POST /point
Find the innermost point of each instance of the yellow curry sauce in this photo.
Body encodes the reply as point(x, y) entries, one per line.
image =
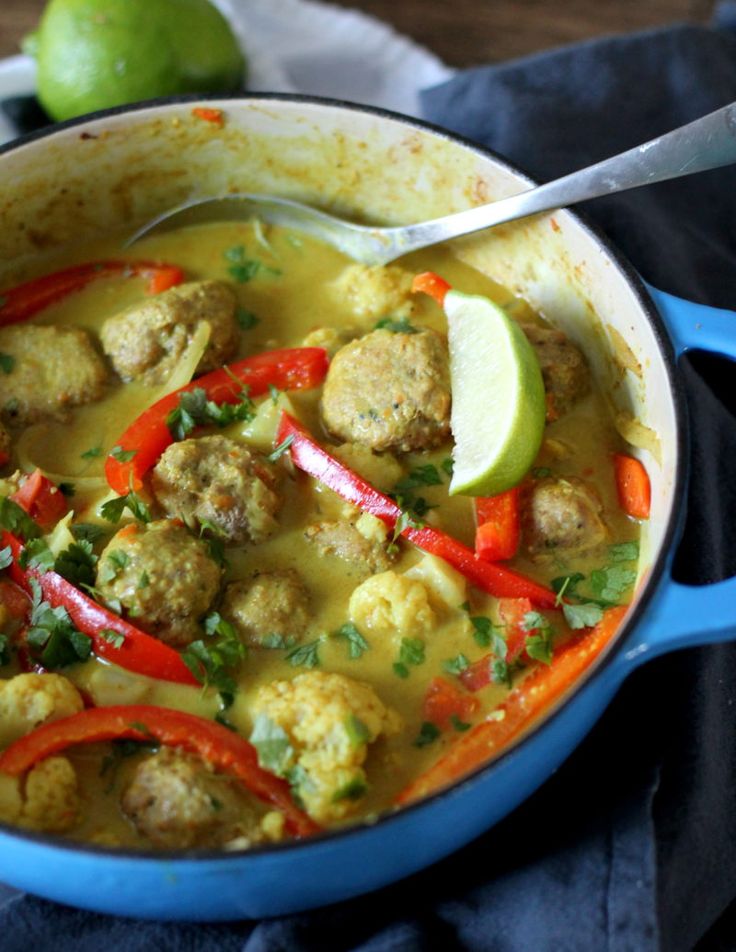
point(296, 295)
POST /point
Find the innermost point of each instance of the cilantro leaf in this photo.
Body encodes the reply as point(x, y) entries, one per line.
point(114, 638)
point(428, 733)
point(565, 585)
point(305, 656)
point(37, 555)
point(448, 465)
point(458, 724)
point(246, 319)
point(400, 670)
point(426, 475)
point(624, 551)
point(582, 616)
point(52, 639)
point(412, 651)
point(396, 325)
point(7, 362)
point(77, 563)
point(280, 449)
point(213, 660)
point(6, 557)
point(353, 790)
point(456, 665)
point(113, 509)
point(609, 584)
point(273, 745)
point(4, 650)
point(357, 645)
point(17, 520)
point(87, 531)
point(92, 453)
point(121, 455)
point(357, 731)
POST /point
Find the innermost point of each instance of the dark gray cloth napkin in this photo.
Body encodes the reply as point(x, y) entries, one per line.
point(630, 845)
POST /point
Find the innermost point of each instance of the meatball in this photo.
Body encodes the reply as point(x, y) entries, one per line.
point(563, 514)
point(176, 801)
point(390, 604)
point(163, 576)
point(271, 603)
point(53, 370)
point(564, 368)
point(327, 722)
point(148, 339)
point(51, 801)
point(216, 482)
point(356, 542)
point(389, 391)
point(373, 292)
point(29, 700)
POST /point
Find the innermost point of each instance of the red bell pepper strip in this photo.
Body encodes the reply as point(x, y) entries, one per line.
point(497, 580)
point(527, 702)
point(511, 611)
point(443, 702)
point(23, 301)
point(432, 284)
point(298, 368)
point(223, 749)
point(139, 652)
point(633, 486)
point(41, 499)
point(499, 526)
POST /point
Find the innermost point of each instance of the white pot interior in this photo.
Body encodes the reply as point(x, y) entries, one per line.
point(122, 169)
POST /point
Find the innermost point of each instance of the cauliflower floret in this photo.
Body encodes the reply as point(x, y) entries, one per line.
point(390, 604)
point(51, 801)
point(373, 292)
point(316, 730)
point(29, 700)
point(446, 586)
point(372, 528)
point(381, 469)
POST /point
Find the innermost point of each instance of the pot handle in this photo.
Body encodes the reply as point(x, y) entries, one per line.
point(684, 615)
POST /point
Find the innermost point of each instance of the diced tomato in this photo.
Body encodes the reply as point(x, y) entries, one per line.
point(499, 525)
point(41, 499)
point(443, 702)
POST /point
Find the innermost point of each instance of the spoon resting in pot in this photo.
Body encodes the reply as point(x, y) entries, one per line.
point(706, 143)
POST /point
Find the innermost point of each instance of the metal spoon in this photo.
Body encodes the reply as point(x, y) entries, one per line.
point(707, 143)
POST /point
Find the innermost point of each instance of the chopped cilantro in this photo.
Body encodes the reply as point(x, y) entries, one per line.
point(484, 631)
point(565, 585)
point(92, 453)
point(538, 643)
point(456, 665)
point(458, 724)
point(405, 521)
point(624, 551)
point(400, 670)
point(305, 656)
point(6, 557)
point(396, 325)
point(272, 743)
point(280, 449)
point(4, 650)
point(52, 638)
point(448, 465)
point(121, 455)
point(37, 555)
point(194, 409)
point(609, 584)
point(275, 393)
point(67, 489)
point(77, 563)
point(412, 651)
point(357, 644)
point(426, 475)
point(213, 660)
point(113, 509)
point(143, 581)
point(246, 319)
point(541, 472)
point(357, 732)
point(114, 638)
point(87, 531)
point(17, 520)
point(274, 640)
point(582, 616)
point(353, 790)
point(501, 672)
point(115, 562)
point(222, 719)
point(428, 733)
point(7, 362)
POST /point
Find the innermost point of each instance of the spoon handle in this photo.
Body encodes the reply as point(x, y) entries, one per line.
point(706, 143)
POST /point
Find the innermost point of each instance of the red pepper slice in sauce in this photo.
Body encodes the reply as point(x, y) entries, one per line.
point(220, 747)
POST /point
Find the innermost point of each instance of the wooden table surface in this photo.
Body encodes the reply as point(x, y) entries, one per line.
point(466, 32)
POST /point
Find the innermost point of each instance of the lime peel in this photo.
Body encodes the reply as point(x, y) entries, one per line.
point(498, 400)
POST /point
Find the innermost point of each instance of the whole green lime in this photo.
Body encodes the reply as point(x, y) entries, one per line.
point(93, 54)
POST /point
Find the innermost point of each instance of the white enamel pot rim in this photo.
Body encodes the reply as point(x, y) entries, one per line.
point(649, 314)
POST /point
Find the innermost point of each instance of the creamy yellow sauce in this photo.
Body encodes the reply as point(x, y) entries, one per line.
point(291, 296)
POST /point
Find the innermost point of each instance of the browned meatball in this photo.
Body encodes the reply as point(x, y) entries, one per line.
point(176, 802)
point(563, 514)
point(564, 368)
point(389, 391)
point(271, 603)
point(163, 576)
point(53, 369)
point(216, 482)
point(148, 339)
point(344, 540)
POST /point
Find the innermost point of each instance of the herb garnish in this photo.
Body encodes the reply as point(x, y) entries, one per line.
point(426, 475)
point(6, 557)
point(114, 638)
point(456, 665)
point(113, 509)
point(194, 409)
point(87, 531)
point(272, 743)
point(17, 520)
point(538, 643)
point(92, 453)
point(214, 659)
point(396, 325)
point(7, 362)
point(52, 638)
point(77, 563)
point(357, 731)
point(305, 656)
point(121, 455)
point(280, 449)
point(357, 644)
point(4, 650)
point(246, 319)
point(353, 790)
point(428, 733)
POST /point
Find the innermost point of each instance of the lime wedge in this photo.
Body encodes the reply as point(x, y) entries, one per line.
point(498, 405)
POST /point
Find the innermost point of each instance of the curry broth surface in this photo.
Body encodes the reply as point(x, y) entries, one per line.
point(291, 296)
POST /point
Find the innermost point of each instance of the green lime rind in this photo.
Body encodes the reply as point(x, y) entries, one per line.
point(498, 401)
point(93, 54)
